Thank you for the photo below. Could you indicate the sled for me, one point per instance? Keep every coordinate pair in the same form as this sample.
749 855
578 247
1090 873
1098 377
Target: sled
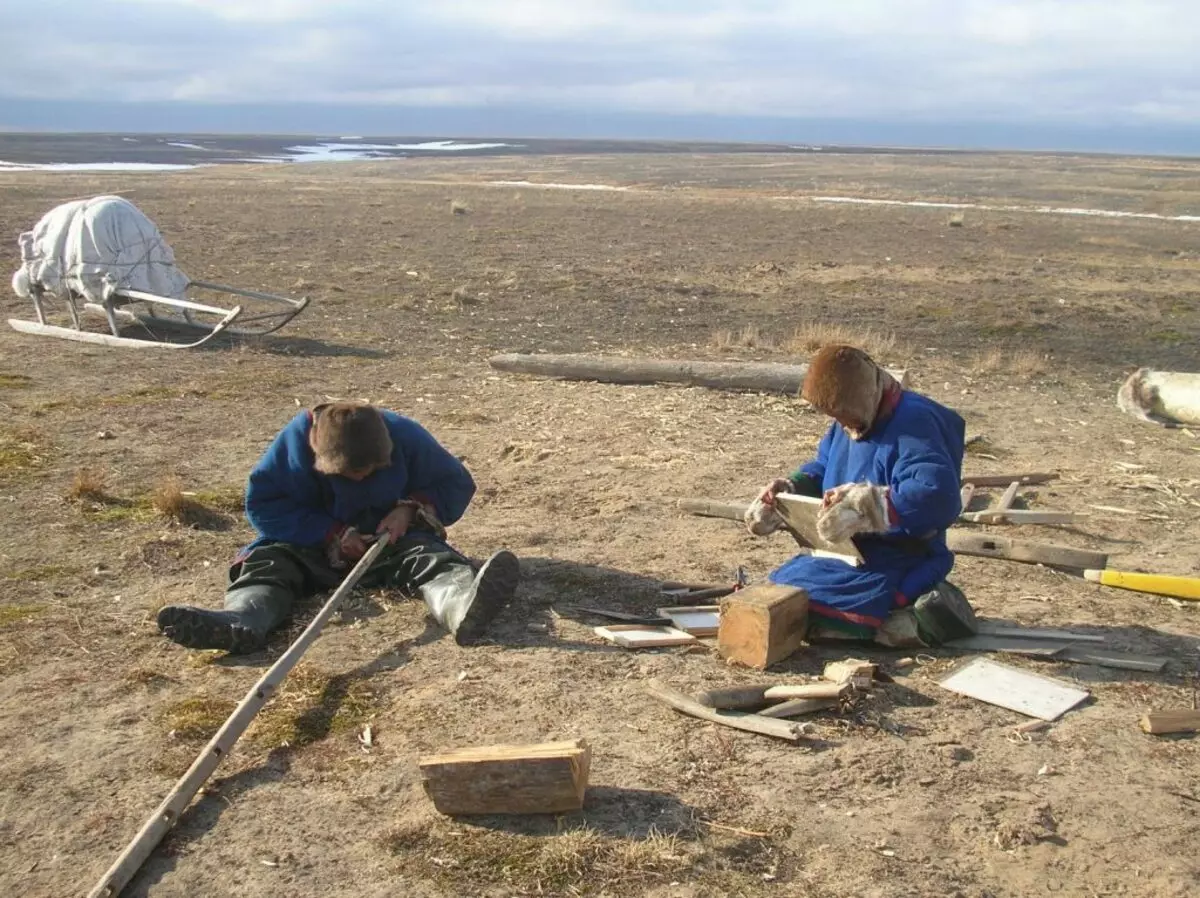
103 256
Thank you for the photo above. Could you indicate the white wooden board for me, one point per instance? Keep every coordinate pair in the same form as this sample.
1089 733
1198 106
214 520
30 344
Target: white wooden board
636 636
1017 690
800 513
700 620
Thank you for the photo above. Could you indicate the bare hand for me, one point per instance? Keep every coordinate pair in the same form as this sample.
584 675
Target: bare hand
353 545
774 488
398 521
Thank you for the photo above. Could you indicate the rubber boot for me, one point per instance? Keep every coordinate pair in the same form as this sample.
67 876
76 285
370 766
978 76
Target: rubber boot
464 602
250 614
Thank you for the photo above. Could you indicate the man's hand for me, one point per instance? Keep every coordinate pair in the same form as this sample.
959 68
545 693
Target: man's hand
398 521
773 489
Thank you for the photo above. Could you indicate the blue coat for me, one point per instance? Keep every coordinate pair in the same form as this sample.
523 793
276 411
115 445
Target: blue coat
289 501
917 451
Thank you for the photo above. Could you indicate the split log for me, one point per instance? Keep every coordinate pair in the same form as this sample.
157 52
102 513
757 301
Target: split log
767 377
799 706
762 624
1159 723
751 723
547 778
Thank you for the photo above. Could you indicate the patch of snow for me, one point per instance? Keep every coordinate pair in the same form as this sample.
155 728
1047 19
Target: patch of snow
184 145
91 166
553 186
1041 210
129 139
353 152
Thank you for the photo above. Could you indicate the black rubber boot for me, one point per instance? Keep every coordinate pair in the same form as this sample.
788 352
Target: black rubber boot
464 603
250 614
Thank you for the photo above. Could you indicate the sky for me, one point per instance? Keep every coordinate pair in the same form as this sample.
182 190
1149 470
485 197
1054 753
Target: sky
1098 70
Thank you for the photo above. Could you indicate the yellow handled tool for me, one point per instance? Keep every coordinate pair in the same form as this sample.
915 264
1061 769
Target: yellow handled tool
1160 584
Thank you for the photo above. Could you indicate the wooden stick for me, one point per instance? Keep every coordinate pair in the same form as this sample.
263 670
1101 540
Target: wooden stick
1009 497
1018 516
761 376
167 813
1159 723
751 723
967 494
962 542
1008 479
798 706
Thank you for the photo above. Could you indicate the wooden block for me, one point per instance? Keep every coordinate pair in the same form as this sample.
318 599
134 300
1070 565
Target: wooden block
1160 723
762 624
546 778
852 670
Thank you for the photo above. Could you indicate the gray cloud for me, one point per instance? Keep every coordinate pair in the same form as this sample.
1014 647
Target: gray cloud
1102 61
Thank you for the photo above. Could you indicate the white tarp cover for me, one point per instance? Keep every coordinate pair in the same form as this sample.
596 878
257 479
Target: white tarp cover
91 247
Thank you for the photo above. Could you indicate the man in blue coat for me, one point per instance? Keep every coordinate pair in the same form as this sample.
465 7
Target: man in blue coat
333 479
889 472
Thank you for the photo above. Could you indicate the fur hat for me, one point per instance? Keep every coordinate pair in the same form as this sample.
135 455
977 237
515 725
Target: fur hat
348 437
844 383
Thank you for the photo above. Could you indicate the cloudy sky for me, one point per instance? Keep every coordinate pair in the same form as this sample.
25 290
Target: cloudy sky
1061 63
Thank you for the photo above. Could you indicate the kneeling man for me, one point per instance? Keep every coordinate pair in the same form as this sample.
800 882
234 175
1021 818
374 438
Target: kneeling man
889 472
331 480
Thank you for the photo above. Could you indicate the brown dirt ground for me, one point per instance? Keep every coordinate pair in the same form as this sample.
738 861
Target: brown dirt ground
1024 322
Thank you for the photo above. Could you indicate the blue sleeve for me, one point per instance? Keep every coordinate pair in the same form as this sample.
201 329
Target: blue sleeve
434 474
815 469
925 486
284 501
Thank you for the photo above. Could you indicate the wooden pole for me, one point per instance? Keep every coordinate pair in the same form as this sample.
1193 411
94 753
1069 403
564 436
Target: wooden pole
960 542
167 813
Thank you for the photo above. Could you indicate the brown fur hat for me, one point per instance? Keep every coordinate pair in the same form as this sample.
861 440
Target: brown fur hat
348 437
844 383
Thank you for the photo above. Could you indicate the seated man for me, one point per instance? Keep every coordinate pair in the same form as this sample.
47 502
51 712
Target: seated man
331 480
888 470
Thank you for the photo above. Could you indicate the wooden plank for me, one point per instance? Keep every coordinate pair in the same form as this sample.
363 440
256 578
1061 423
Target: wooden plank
1007 479
966 495
798 706
1160 723
1014 644
850 670
1101 657
1018 516
713 508
641 636
546 778
767 377
762 624
1017 690
800 514
989 546
699 620
992 628
1009 497
738 720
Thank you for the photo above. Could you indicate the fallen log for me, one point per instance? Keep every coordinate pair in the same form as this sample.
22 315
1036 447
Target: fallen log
769 377
960 542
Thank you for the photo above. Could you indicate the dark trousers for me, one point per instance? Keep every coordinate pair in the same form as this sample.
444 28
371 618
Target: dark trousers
282 574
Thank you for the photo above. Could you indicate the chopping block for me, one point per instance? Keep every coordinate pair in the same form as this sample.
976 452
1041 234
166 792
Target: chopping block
762 624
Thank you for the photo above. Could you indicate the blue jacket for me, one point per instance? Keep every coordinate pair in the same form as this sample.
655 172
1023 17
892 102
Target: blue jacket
917 452
289 501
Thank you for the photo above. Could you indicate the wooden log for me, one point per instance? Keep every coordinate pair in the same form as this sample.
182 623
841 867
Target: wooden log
737 698
738 720
1159 723
962 542
546 778
798 706
1024 551
762 624
1007 479
768 377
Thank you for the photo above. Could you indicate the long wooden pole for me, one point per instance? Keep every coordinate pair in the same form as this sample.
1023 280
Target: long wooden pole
751 723
167 813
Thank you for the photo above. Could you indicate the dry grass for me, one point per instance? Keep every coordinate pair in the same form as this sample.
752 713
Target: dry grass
15 381
1020 362
810 337
577 861
749 337
458 207
88 485
170 501
10 614
196 719
310 705
21 451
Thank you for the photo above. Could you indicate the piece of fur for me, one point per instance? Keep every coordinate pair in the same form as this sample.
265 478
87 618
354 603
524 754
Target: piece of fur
844 383
762 519
853 508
